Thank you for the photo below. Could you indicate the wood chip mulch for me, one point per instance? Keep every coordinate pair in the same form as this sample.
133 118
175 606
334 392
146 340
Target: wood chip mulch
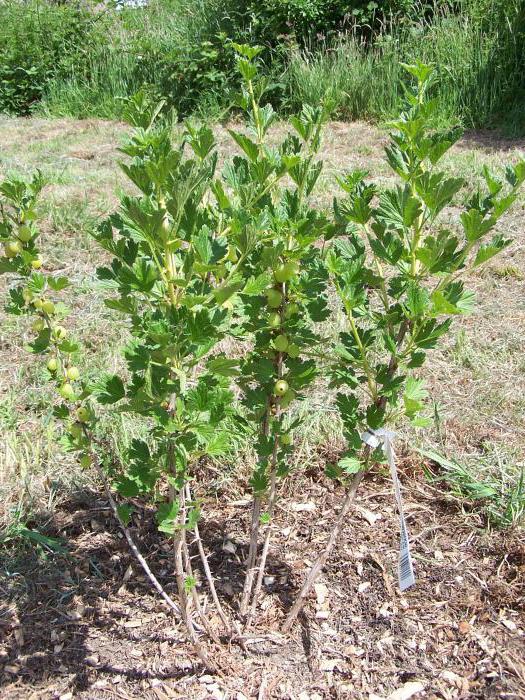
86 624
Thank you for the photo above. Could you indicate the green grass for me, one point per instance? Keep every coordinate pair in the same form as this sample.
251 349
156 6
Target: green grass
359 83
485 484
480 71
95 91
179 50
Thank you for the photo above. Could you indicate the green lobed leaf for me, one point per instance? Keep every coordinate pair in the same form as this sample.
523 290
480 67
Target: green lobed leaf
417 301
246 144
124 511
489 250
166 517
223 366
110 389
57 283
414 395
350 465
475 225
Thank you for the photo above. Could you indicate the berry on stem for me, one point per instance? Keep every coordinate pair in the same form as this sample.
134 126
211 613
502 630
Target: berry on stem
67 392
12 249
73 373
48 307
281 343
59 333
274 298
286 272
274 320
280 387
83 414
24 234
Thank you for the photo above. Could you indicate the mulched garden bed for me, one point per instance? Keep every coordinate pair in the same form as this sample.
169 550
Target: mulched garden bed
87 624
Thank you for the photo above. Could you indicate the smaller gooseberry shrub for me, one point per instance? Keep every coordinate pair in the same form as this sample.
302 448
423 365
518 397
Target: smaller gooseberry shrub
397 264
30 296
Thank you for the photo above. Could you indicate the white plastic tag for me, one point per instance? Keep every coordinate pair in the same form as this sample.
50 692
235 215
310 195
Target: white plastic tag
405 568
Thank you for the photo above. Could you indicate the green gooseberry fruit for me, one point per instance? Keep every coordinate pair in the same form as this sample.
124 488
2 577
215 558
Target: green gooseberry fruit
274 298
286 439
12 249
73 373
59 333
27 295
38 325
280 387
52 364
36 264
67 392
48 307
24 234
83 414
286 272
274 320
280 343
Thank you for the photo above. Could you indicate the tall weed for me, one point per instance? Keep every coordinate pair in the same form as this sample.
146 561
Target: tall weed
480 66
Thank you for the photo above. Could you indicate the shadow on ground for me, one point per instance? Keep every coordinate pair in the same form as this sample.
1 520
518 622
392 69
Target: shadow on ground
87 626
68 619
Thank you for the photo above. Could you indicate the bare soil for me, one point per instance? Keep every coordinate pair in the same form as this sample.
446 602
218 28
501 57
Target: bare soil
87 624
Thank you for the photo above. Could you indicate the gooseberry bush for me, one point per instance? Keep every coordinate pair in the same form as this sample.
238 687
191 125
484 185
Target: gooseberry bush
225 284
284 296
396 264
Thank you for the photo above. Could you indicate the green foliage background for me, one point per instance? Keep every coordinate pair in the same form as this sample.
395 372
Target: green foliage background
73 60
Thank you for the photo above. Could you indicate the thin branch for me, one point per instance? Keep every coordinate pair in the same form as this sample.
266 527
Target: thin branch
321 560
127 534
254 534
207 572
252 554
194 593
266 545
180 576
